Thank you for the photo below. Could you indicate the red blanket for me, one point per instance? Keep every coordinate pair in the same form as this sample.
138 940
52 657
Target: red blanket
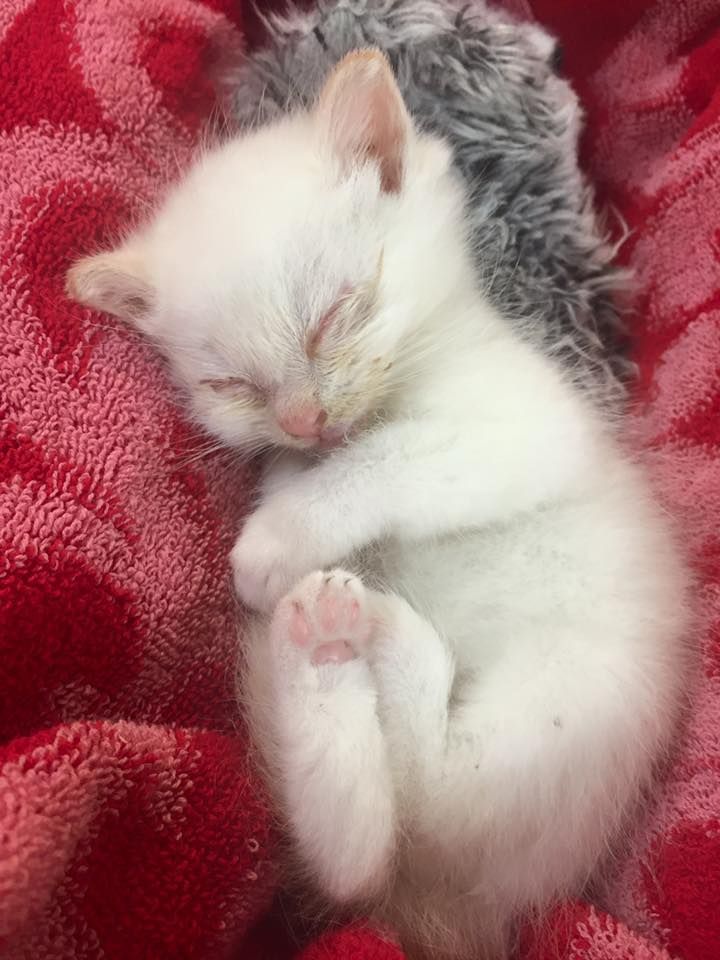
130 823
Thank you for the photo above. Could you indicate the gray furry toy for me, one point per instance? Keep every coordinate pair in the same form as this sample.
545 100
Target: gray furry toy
489 86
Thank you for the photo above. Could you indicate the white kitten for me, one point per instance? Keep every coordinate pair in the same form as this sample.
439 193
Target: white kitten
455 741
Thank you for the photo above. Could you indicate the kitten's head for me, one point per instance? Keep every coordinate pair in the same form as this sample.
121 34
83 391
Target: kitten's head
286 276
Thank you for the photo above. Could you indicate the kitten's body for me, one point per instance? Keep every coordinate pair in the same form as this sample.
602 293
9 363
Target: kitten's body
521 729
455 740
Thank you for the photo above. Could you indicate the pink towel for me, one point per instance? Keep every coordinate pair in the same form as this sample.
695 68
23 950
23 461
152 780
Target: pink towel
131 825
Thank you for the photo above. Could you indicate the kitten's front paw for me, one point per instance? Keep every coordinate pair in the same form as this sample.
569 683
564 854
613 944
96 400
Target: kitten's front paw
261 565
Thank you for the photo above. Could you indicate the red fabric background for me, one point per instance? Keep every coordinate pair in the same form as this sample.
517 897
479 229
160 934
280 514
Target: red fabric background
130 822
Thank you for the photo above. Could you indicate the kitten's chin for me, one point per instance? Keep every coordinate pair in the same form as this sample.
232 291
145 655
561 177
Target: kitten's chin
331 443
329 439
336 436
318 444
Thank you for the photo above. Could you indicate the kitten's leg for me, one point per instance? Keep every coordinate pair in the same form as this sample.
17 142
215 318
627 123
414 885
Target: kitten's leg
514 785
414 670
415 675
280 470
473 474
312 701
445 903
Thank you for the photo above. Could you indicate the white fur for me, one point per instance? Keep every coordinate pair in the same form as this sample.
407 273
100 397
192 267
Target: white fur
518 661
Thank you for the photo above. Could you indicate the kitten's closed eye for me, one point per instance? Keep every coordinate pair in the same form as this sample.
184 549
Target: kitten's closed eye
240 387
316 334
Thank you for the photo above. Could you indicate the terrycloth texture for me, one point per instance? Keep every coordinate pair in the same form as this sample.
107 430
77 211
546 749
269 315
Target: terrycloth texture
351 944
130 826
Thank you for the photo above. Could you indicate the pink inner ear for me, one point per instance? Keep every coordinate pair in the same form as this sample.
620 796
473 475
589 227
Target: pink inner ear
386 137
364 114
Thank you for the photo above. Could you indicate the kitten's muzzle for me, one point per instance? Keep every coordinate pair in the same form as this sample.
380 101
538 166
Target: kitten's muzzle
309 422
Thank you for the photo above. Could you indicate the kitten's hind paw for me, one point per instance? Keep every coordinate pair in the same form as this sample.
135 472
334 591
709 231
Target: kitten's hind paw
327 615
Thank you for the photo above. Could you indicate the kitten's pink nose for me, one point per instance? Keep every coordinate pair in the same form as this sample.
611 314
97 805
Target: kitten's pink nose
305 422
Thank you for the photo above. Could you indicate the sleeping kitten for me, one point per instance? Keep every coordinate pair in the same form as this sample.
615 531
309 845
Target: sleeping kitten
469 654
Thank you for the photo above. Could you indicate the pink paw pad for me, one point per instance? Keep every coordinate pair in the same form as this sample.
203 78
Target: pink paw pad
299 625
337 651
337 608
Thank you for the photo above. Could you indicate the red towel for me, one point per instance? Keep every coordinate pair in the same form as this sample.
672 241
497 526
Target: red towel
131 825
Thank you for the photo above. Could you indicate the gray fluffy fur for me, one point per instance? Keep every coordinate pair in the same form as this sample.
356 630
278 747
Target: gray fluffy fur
488 85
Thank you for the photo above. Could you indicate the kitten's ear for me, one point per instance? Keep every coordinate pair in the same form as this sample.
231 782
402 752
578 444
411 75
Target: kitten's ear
362 113
114 282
